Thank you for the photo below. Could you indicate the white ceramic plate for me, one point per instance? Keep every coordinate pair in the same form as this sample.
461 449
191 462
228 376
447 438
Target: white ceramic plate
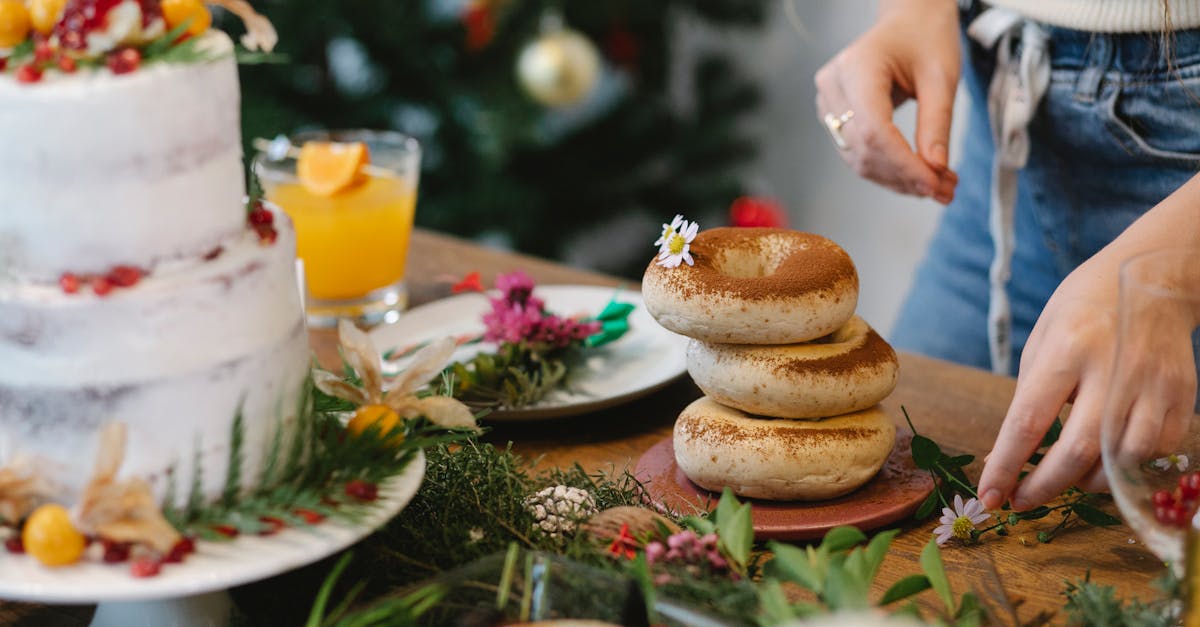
643 360
214 565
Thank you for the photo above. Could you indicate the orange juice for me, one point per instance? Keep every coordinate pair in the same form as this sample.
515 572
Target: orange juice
354 241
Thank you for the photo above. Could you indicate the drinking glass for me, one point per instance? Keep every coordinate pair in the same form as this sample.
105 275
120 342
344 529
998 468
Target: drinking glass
1151 434
354 243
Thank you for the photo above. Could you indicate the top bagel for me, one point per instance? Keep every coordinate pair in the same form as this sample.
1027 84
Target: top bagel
754 286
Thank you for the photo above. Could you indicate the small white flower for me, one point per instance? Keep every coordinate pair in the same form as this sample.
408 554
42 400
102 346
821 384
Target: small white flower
474 534
960 521
676 249
1178 460
669 231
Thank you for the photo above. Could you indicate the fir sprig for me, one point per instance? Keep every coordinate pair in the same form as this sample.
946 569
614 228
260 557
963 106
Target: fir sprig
307 465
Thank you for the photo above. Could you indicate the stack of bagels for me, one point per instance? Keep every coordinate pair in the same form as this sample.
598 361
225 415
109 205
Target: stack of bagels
791 376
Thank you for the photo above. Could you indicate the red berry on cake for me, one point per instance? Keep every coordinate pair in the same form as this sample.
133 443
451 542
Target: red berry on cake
125 60
102 286
29 73
67 64
99 26
14 23
261 216
115 552
309 516
125 276
15 545
69 283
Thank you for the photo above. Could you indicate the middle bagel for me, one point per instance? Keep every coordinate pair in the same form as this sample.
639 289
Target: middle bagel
849 370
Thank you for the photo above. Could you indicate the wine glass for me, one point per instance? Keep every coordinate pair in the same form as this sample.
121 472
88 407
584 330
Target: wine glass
1151 434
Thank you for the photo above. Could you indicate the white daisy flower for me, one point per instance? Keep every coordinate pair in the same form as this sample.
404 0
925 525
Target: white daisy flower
960 521
1178 460
668 231
676 249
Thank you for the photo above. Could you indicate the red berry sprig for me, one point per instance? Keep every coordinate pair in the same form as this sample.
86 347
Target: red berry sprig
362 490
124 60
263 222
102 285
1175 508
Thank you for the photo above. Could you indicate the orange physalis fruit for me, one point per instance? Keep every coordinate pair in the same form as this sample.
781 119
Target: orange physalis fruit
50 537
176 12
326 168
14 23
382 417
44 14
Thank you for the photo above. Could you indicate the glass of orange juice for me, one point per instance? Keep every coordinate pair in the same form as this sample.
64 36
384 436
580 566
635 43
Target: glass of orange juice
353 218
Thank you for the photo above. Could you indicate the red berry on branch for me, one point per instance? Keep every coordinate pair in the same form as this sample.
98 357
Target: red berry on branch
271 525
42 51
181 550
1189 486
15 545
67 64
29 73
115 552
310 516
750 211
124 60
266 235
362 490
262 216
145 567
3 63
228 531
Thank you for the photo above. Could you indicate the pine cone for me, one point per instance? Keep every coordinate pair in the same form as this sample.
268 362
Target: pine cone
558 510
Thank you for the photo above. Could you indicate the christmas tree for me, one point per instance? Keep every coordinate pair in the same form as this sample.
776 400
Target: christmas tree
537 119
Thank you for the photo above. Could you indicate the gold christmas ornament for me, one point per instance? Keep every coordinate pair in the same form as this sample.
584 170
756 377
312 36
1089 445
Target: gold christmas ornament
559 68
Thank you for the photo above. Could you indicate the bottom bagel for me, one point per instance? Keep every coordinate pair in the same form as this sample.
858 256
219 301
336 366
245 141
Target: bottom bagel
780 459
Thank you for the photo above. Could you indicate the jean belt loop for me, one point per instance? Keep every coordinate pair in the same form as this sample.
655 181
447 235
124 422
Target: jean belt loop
1096 63
1018 84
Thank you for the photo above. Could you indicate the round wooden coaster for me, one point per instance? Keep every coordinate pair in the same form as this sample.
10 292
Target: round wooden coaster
893 494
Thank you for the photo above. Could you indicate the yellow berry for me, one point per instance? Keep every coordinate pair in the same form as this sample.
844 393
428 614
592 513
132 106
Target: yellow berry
14 23
44 14
176 12
381 416
50 537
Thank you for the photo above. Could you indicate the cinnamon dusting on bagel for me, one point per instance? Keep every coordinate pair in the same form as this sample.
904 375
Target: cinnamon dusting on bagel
804 263
872 353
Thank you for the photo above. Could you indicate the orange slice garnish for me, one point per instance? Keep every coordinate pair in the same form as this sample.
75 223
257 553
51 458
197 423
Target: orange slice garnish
326 168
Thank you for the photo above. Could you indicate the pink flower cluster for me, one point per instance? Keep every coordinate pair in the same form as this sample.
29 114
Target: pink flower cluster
687 549
519 316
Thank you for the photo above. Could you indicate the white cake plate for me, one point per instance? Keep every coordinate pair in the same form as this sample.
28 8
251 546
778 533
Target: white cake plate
194 593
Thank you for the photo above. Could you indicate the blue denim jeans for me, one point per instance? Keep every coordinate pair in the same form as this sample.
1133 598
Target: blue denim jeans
1117 131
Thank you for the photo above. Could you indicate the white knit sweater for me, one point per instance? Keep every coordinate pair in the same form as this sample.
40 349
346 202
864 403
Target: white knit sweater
1109 16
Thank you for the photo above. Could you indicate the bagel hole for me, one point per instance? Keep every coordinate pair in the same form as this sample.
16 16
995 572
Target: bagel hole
761 259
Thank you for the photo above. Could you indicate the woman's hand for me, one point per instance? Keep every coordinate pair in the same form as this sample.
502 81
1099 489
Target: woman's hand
912 51
1069 359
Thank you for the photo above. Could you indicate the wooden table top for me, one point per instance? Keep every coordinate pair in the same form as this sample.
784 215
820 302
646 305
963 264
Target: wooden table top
1019 580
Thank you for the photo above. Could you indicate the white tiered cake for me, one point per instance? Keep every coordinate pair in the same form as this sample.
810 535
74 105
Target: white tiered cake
141 172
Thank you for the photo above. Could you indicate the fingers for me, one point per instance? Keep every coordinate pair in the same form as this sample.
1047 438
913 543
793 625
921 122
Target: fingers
1094 480
876 149
935 91
1074 454
1038 399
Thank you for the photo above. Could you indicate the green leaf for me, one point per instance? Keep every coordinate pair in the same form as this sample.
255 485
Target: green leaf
737 536
1052 434
958 460
931 563
1036 513
970 613
773 604
317 613
876 550
925 452
1094 516
795 565
910 585
726 507
845 588
928 506
616 311
842 538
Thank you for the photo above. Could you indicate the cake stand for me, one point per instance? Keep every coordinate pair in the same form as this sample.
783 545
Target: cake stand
194 593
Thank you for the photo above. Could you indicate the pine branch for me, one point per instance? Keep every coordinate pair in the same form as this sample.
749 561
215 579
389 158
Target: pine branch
233 472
